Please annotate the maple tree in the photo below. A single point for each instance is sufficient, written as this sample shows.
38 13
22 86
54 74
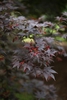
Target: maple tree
26 53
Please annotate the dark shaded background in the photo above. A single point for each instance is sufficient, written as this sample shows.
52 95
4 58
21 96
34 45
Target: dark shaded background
38 7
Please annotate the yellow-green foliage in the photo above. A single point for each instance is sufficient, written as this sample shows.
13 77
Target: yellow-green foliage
28 40
25 96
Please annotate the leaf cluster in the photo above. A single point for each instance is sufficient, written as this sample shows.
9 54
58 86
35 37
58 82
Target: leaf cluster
26 54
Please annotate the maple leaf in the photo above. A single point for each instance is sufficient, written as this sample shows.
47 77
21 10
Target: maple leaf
48 72
16 64
40 95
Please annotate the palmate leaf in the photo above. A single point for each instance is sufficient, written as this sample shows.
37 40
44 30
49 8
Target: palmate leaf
48 76
26 66
16 64
40 43
50 52
48 59
40 95
52 76
48 73
49 39
47 92
48 69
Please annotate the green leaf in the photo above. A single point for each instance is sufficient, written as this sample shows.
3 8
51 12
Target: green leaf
54 31
60 39
28 40
24 96
57 26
